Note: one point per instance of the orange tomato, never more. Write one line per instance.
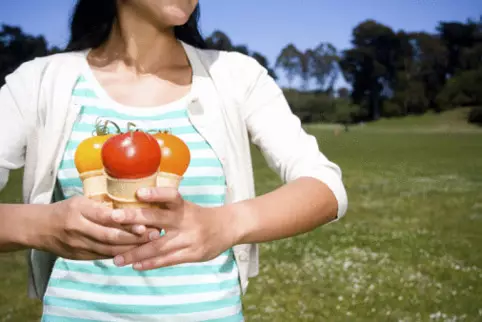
(175, 154)
(88, 154)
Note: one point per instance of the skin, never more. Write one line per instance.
(126, 65)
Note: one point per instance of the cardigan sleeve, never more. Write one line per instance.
(16, 111)
(288, 149)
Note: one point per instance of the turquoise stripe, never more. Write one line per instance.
(144, 290)
(202, 181)
(53, 318)
(71, 182)
(129, 271)
(67, 164)
(72, 145)
(210, 199)
(108, 113)
(142, 309)
(234, 318)
(85, 92)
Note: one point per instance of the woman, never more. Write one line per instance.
(144, 62)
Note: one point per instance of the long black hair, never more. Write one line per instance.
(92, 22)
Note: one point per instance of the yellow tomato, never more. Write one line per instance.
(88, 154)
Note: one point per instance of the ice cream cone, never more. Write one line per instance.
(94, 185)
(123, 192)
(168, 180)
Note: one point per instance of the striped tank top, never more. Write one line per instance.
(100, 291)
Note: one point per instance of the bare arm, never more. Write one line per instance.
(77, 228)
(295, 208)
(19, 224)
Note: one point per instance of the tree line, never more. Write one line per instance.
(391, 73)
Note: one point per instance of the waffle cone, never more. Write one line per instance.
(123, 192)
(168, 180)
(94, 185)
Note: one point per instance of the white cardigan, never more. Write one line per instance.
(236, 101)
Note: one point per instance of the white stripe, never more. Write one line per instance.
(145, 280)
(82, 86)
(101, 316)
(191, 172)
(148, 124)
(110, 263)
(201, 190)
(129, 299)
(72, 191)
(204, 172)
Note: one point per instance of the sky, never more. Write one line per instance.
(268, 25)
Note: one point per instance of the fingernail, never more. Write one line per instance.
(139, 229)
(119, 260)
(154, 235)
(118, 215)
(137, 266)
(144, 192)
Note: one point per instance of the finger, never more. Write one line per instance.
(152, 249)
(98, 213)
(180, 256)
(135, 229)
(89, 249)
(112, 236)
(110, 251)
(169, 196)
(151, 217)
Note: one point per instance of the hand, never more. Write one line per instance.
(82, 229)
(192, 233)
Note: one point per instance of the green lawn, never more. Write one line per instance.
(409, 249)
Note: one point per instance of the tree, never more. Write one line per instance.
(346, 112)
(465, 89)
(324, 66)
(457, 38)
(263, 61)
(475, 115)
(306, 59)
(17, 47)
(219, 41)
(370, 66)
(422, 74)
(343, 92)
(289, 61)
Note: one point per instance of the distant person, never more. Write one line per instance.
(145, 62)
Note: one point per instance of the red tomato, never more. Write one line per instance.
(131, 155)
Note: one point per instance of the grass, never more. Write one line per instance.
(409, 249)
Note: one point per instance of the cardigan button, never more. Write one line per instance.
(243, 256)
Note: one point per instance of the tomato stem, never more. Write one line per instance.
(129, 126)
(101, 128)
(115, 125)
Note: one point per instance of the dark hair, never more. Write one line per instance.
(92, 21)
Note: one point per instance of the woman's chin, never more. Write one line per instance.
(176, 16)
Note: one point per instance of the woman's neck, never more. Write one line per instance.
(139, 44)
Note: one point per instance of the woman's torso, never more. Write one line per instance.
(101, 290)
